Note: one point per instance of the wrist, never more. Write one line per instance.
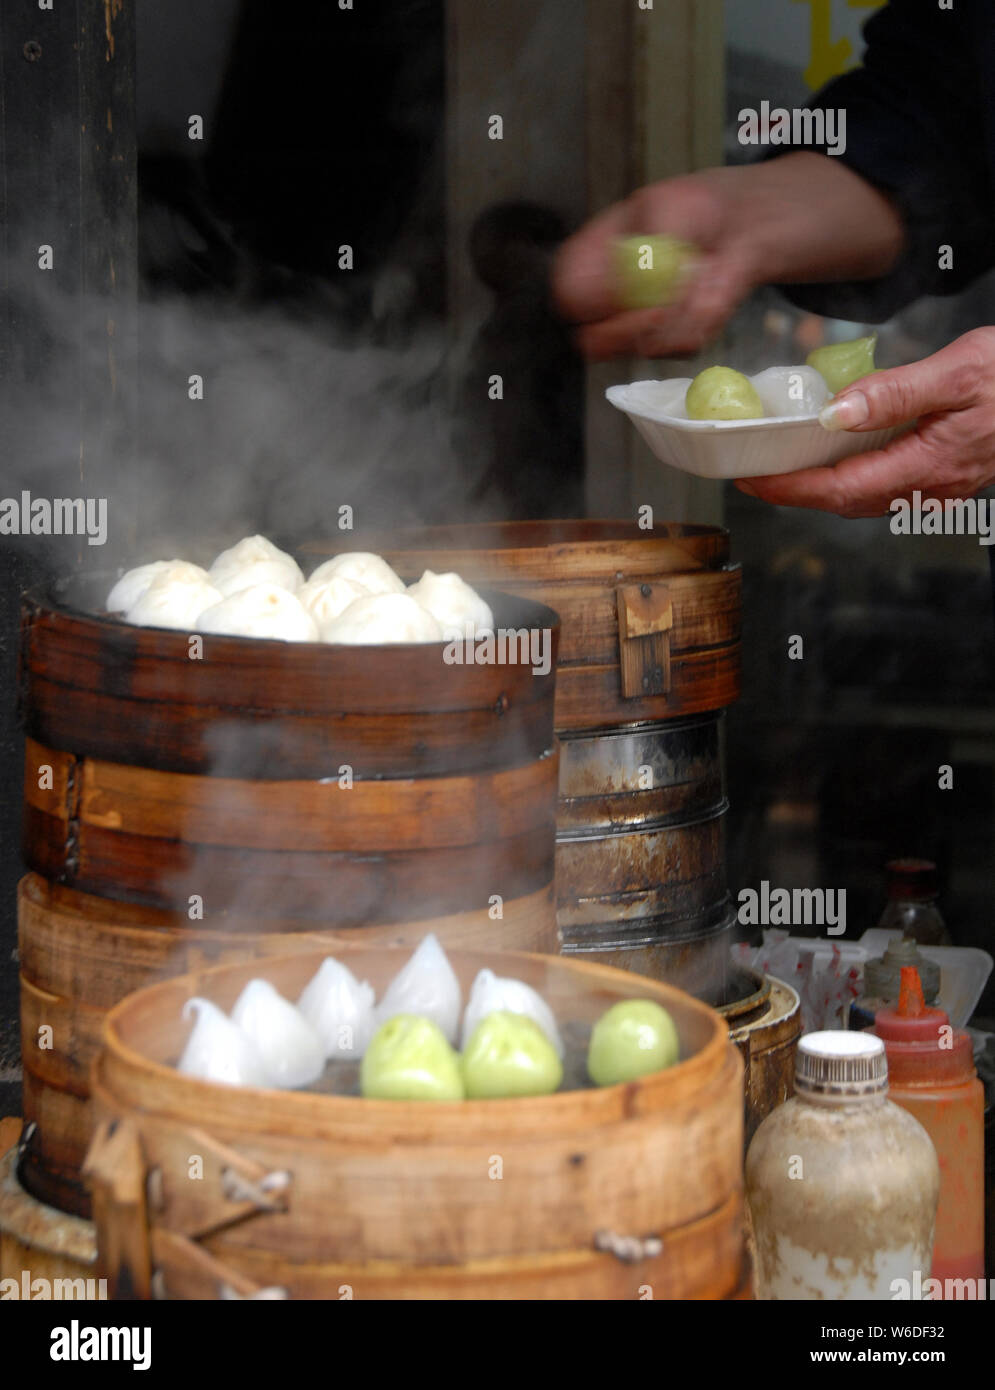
(807, 217)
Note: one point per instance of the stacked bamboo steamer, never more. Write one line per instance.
(649, 658)
(220, 801)
(628, 1191)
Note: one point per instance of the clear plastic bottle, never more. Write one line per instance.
(842, 1184)
(932, 1076)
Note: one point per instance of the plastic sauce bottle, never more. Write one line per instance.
(931, 1074)
(842, 1184)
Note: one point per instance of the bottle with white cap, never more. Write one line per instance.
(842, 1185)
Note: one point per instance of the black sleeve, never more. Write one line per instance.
(916, 127)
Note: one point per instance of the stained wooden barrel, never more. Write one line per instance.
(649, 657)
(474, 1199)
(221, 805)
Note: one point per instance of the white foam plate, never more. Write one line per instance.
(734, 448)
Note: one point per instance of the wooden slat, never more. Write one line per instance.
(700, 681)
(519, 552)
(102, 688)
(706, 613)
(304, 816)
(336, 888)
(179, 737)
(699, 1262)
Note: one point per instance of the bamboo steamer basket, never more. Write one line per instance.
(256, 771)
(183, 810)
(319, 1196)
(649, 657)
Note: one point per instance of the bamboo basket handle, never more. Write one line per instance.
(629, 1249)
(171, 1248)
(645, 622)
(236, 1188)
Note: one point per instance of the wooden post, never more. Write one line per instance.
(115, 1173)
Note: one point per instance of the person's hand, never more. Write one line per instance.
(949, 455)
(802, 217)
(697, 209)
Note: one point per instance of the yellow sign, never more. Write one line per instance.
(828, 58)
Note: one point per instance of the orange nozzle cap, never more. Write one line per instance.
(911, 1003)
(912, 1020)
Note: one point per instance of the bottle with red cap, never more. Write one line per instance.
(931, 1074)
(913, 892)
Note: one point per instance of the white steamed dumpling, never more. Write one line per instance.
(382, 618)
(262, 611)
(173, 602)
(326, 598)
(218, 1050)
(491, 994)
(459, 610)
(791, 390)
(339, 1008)
(255, 560)
(133, 583)
(292, 1052)
(372, 571)
(426, 986)
(273, 572)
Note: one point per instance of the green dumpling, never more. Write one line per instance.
(649, 269)
(843, 363)
(632, 1039)
(409, 1058)
(719, 393)
(509, 1055)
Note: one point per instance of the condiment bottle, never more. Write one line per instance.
(911, 907)
(931, 1075)
(883, 981)
(841, 1183)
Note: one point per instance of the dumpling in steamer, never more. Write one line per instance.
(491, 994)
(426, 986)
(172, 602)
(255, 560)
(291, 1050)
(458, 609)
(218, 1050)
(262, 611)
(133, 583)
(382, 618)
(371, 571)
(326, 598)
(339, 1008)
(791, 390)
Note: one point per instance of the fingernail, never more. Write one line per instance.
(745, 487)
(846, 413)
